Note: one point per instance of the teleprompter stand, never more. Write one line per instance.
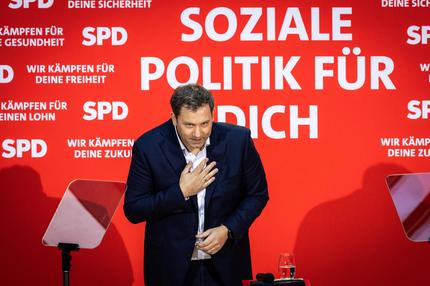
(82, 218)
(66, 257)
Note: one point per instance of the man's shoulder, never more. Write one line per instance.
(153, 135)
(232, 129)
(231, 133)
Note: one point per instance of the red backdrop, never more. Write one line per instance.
(328, 200)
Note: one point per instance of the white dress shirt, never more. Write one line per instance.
(196, 160)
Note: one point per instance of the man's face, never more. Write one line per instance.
(194, 127)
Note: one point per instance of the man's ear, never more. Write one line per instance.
(173, 118)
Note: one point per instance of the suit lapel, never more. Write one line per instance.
(172, 151)
(215, 152)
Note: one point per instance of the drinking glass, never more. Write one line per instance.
(287, 266)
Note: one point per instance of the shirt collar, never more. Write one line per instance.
(184, 149)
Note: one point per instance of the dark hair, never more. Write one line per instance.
(190, 96)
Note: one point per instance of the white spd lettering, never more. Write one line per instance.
(418, 35)
(418, 109)
(36, 148)
(41, 4)
(100, 35)
(6, 74)
(98, 110)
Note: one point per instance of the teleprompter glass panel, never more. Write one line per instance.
(84, 213)
(411, 197)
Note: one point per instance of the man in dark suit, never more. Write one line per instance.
(199, 185)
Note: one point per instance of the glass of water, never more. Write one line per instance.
(287, 266)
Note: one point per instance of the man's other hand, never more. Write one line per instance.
(214, 239)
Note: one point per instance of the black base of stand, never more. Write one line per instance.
(66, 257)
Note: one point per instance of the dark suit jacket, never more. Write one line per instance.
(235, 199)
